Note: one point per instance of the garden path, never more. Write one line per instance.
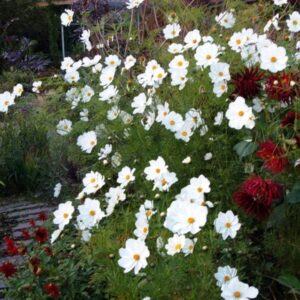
(15, 215)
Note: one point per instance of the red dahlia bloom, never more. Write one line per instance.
(283, 87)
(289, 119)
(41, 235)
(25, 234)
(52, 290)
(247, 83)
(8, 269)
(274, 157)
(48, 251)
(43, 216)
(256, 196)
(11, 247)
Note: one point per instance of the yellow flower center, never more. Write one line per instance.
(92, 213)
(148, 213)
(127, 177)
(6, 103)
(164, 182)
(184, 133)
(93, 180)
(273, 59)
(226, 278)
(199, 189)
(228, 225)
(157, 170)
(136, 257)
(172, 122)
(66, 216)
(295, 22)
(145, 229)
(208, 56)
(241, 113)
(178, 247)
(180, 63)
(191, 220)
(92, 143)
(237, 294)
(221, 74)
(238, 42)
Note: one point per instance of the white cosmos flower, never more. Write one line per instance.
(240, 114)
(171, 31)
(207, 54)
(92, 182)
(84, 115)
(141, 228)
(219, 118)
(185, 217)
(148, 120)
(193, 116)
(133, 256)
(192, 39)
(225, 19)
(72, 76)
(18, 90)
(146, 210)
(280, 2)
(237, 41)
(133, 3)
(112, 61)
(219, 72)
(6, 99)
(66, 17)
(87, 93)
(125, 176)
(63, 214)
(66, 63)
(129, 62)
(224, 275)
(220, 88)
(178, 63)
(57, 190)
(173, 121)
(87, 141)
(104, 151)
(227, 224)
(87, 62)
(109, 93)
(175, 244)
(175, 48)
(189, 246)
(126, 117)
(90, 213)
(272, 22)
(198, 187)
(293, 22)
(113, 113)
(185, 132)
(156, 168)
(64, 127)
(36, 86)
(273, 58)
(85, 39)
(55, 234)
(165, 181)
(107, 76)
(162, 112)
(237, 290)
(140, 103)
(208, 156)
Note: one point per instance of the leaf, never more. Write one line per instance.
(245, 148)
(294, 195)
(290, 281)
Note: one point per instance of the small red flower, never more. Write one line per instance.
(41, 235)
(48, 251)
(248, 82)
(43, 216)
(32, 223)
(8, 269)
(52, 290)
(274, 157)
(289, 119)
(282, 87)
(35, 265)
(11, 247)
(256, 196)
(25, 234)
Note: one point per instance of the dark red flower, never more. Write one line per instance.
(11, 247)
(274, 157)
(32, 223)
(8, 269)
(41, 235)
(256, 196)
(297, 137)
(289, 119)
(43, 216)
(25, 234)
(248, 82)
(283, 87)
(35, 265)
(48, 251)
(52, 290)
